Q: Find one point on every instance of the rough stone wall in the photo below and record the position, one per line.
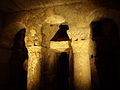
(39, 31)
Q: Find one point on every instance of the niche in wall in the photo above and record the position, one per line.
(106, 38)
(61, 34)
(60, 48)
(18, 75)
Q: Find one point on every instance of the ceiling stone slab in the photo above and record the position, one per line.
(22, 5)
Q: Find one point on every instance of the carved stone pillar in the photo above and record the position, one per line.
(34, 65)
(82, 77)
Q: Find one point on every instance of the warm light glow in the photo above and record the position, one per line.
(82, 77)
(33, 32)
(59, 45)
(33, 67)
(55, 19)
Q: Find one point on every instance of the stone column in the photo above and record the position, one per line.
(33, 44)
(82, 75)
(34, 65)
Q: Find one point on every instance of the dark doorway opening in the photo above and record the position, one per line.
(18, 75)
(63, 71)
(105, 35)
(61, 34)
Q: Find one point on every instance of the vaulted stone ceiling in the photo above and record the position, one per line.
(21, 5)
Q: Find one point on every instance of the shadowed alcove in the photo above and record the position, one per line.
(62, 71)
(105, 35)
(61, 34)
(18, 74)
(60, 47)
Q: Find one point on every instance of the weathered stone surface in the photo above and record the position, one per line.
(36, 16)
(34, 67)
(82, 73)
(15, 5)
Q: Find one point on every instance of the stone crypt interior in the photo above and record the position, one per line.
(59, 45)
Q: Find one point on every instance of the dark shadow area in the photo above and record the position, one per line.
(56, 77)
(61, 34)
(18, 75)
(55, 65)
(62, 71)
(109, 4)
(107, 59)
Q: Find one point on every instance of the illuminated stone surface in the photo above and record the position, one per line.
(36, 16)
(55, 19)
(60, 45)
(82, 74)
(34, 64)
